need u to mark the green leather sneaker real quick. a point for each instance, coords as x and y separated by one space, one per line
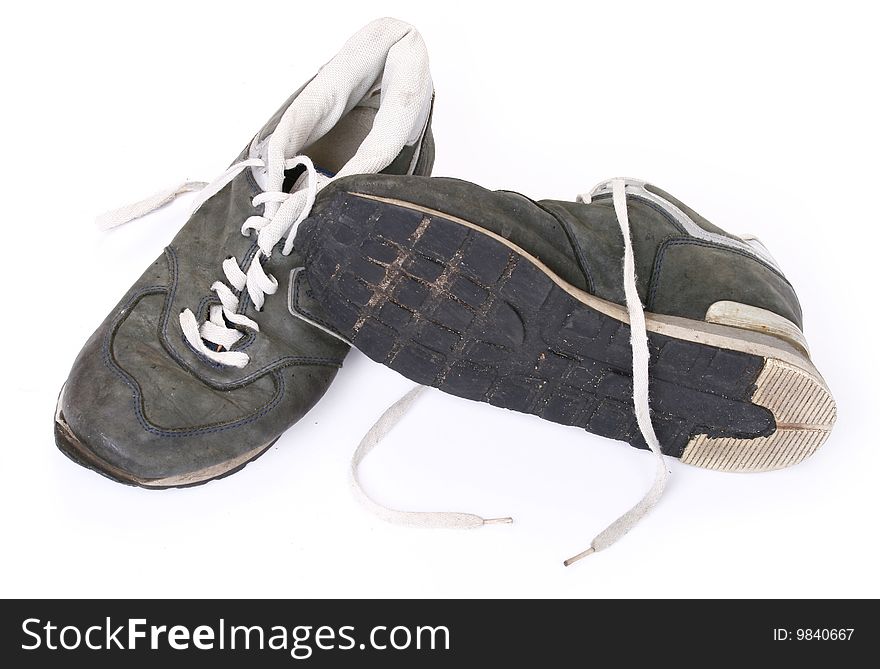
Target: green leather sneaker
527 305
200 368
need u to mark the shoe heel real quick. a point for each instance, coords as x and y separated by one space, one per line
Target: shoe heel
804 410
736 392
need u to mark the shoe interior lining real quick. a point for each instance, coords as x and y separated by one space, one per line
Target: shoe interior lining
337 147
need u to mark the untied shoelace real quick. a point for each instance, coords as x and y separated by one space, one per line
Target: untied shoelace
640 358
283 213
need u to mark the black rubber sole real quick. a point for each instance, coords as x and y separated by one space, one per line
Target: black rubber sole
450 307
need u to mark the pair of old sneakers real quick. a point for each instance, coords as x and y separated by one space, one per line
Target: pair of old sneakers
327 231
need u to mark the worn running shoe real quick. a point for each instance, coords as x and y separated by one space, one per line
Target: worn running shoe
527 305
200 367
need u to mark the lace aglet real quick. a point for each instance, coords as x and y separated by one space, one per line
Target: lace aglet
580 556
498 521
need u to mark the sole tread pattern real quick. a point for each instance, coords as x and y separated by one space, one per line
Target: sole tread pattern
450 307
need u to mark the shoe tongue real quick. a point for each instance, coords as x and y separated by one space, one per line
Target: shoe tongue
385 64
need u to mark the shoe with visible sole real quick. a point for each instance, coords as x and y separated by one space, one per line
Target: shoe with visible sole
200 368
497 298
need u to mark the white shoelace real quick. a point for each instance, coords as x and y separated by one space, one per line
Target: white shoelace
386 55
290 209
432 519
640 358
283 212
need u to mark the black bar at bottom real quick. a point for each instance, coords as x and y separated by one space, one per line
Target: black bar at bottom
433 633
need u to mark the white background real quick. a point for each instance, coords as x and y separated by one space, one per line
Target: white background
762 117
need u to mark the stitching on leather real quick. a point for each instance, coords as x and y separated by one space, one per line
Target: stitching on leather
202 309
661 256
575 245
248 337
249 175
311 315
286 361
246 340
137 393
704 242
201 356
653 205
578 251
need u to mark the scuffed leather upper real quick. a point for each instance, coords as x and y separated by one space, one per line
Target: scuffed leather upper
142 399
677 274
